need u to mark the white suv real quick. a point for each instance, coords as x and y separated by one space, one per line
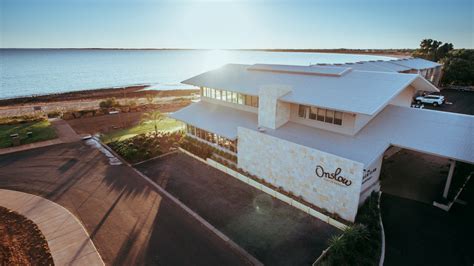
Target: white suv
435 100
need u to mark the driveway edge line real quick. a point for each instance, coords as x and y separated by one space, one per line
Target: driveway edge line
205 223
382 251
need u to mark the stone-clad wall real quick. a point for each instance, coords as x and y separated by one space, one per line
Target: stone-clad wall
293 167
271 112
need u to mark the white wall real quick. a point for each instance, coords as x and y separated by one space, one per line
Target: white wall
371 178
347 126
405 97
271 112
360 121
293 167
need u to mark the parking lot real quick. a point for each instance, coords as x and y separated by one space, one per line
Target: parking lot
456 102
272 231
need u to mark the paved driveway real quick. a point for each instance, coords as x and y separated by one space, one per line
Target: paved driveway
272 231
416 176
417 233
420 234
129 222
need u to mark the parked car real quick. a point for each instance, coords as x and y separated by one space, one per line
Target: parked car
435 100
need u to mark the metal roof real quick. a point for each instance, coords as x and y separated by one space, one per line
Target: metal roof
216 118
442 134
363 92
415 63
303 70
396 65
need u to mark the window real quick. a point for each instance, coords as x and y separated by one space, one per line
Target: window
312 113
329 116
212 138
229 96
321 114
337 118
302 110
224 96
240 98
255 101
248 100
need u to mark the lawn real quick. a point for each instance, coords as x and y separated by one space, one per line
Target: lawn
166 125
42 130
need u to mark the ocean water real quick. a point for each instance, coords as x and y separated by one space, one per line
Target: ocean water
36 72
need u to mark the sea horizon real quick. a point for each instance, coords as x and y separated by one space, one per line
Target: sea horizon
32 72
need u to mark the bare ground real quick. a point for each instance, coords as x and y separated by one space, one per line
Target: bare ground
21 242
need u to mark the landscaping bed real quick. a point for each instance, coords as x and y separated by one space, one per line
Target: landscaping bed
360 243
40 129
21 242
145 146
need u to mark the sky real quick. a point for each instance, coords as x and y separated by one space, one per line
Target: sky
241 24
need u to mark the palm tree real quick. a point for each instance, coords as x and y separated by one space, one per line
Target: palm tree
155 116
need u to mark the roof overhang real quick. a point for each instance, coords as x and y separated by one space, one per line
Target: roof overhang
216 118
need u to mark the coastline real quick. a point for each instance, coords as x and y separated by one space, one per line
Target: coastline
166 100
126 92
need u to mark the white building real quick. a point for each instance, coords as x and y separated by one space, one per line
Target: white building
318 131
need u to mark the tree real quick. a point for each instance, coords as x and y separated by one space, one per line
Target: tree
432 50
155 116
458 67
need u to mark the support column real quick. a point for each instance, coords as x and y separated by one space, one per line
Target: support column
450 177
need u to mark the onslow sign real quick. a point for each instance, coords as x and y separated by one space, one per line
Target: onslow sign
320 172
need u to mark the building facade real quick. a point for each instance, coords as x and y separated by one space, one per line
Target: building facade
317 131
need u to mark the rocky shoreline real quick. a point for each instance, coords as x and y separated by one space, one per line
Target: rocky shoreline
137 91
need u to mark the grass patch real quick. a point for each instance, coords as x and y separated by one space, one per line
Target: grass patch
165 125
360 244
42 130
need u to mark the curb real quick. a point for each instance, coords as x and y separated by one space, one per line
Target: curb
203 222
382 249
156 157
64 211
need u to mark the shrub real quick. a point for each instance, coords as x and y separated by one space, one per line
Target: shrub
20 119
360 243
146 146
109 103
55 113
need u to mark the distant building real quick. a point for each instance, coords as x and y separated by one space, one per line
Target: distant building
321 131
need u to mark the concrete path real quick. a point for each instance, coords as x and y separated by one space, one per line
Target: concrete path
67 239
63 130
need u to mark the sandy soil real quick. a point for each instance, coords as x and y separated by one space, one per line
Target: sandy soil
21 242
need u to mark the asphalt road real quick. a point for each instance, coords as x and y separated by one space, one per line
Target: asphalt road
129 222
